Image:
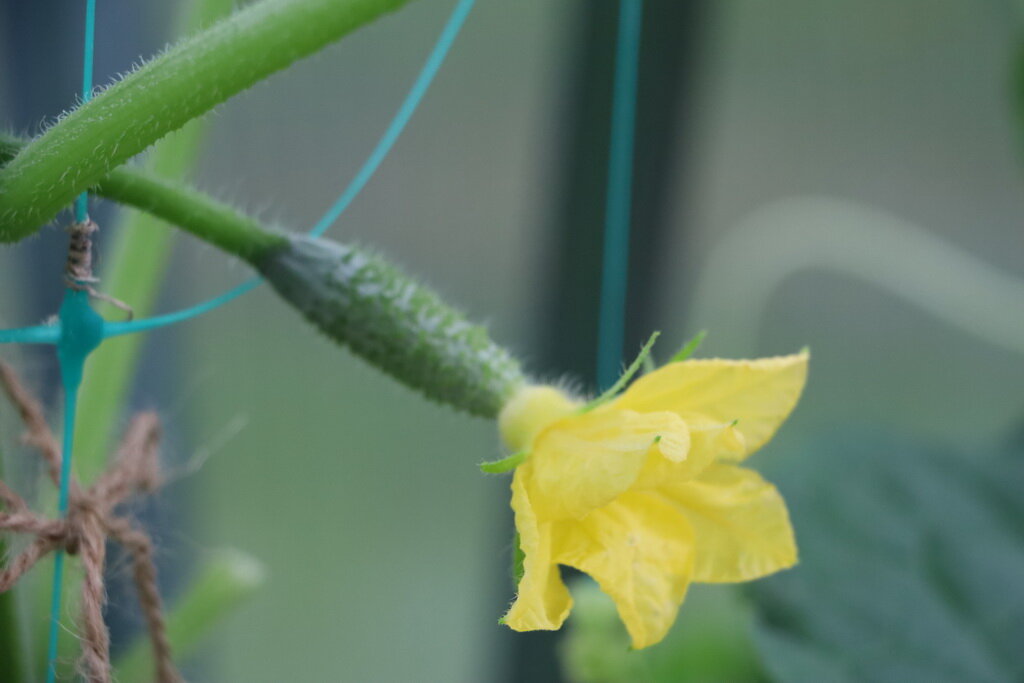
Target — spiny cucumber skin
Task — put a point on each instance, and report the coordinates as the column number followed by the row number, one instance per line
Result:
column 363, row 302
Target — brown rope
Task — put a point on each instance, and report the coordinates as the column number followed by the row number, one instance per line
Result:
column 90, row 521
column 78, row 273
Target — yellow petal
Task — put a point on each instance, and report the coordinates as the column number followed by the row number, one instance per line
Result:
column 543, row 602
column 760, row 394
column 587, row 460
column 640, row 550
column 740, row 524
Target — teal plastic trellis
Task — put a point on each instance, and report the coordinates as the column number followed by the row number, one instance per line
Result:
column 79, row 330
column 618, row 196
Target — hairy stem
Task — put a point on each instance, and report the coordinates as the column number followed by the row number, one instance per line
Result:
column 139, row 257
column 185, row 82
column 208, row 219
column 353, row 295
column 180, row 205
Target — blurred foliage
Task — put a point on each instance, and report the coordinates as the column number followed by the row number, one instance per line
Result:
column 710, row 641
column 11, row 646
column 1017, row 91
column 911, row 566
column 226, row 579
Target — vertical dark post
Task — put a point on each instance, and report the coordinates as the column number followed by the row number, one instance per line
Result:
column 669, row 50
column 670, row 62
column 668, row 55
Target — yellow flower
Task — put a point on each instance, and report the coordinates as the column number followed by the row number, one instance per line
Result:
column 644, row 493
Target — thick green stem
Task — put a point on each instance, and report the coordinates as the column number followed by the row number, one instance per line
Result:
column 185, row 82
column 139, row 258
column 180, row 205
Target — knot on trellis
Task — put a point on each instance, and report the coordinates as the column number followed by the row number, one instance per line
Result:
column 78, row 269
column 78, row 273
column 90, row 521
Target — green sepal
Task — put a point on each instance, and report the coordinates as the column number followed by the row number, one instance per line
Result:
column 518, row 568
column 626, row 376
column 505, row 464
column 689, row 347
column 518, row 560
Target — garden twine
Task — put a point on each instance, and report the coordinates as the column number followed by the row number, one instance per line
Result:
column 78, row 273
column 90, row 521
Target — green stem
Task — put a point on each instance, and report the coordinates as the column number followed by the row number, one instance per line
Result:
column 211, row 221
column 140, row 254
column 185, row 82
column 353, row 295
column 180, row 205
column 227, row 579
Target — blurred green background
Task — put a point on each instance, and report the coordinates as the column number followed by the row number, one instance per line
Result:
column 386, row 550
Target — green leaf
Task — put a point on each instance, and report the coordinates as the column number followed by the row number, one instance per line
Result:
column 911, row 566
column 798, row 660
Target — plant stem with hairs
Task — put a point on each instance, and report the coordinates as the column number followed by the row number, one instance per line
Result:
column 185, row 82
